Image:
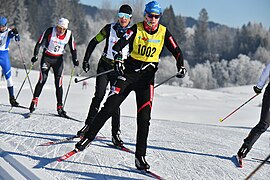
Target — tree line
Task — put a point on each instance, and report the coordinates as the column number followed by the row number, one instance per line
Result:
column 205, row 44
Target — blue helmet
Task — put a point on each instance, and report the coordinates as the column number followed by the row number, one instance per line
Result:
column 3, row 21
column 152, row 7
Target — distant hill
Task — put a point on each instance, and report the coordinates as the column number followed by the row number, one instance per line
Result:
column 93, row 11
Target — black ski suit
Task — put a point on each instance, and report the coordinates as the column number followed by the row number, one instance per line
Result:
column 138, row 76
column 102, row 81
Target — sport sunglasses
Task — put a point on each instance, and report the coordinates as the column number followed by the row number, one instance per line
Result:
column 125, row 15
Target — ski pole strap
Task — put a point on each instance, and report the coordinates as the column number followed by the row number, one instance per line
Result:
column 95, row 75
column 221, row 120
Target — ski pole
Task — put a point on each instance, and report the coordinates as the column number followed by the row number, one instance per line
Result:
column 165, row 81
column 221, row 120
column 79, row 74
column 22, row 86
column 25, row 68
column 95, row 75
column 24, row 80
column 71, row 76
column 255, row 170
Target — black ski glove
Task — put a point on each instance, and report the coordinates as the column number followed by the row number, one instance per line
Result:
column 119, row 65
column 75, row 62
column 34, row 59
column 257, row 90
column 17, row 37
column 181, row 72
column 86, row 66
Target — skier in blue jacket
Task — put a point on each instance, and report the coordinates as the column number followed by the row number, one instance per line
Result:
column 6, row 34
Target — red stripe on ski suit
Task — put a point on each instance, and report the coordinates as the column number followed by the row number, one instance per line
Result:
column 150, row 100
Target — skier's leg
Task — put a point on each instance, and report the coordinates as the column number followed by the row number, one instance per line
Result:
column 115, row 98
column 6, row 69
column 100, row 91
column 43, row 75
column 260, row 128
column 144, row 98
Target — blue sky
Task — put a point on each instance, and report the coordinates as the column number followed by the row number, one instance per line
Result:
column 233, row 13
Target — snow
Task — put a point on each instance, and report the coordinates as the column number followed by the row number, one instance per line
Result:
column 186, row 139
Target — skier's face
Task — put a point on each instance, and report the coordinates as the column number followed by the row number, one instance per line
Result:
column 152, row 19
column 124, row 19
column 2, row 28
column 60, row 30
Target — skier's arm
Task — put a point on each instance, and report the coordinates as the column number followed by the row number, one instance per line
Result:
column 173, row 47
column 264, row 77
column 94, row 41
column 72, row 46
column 43, row 37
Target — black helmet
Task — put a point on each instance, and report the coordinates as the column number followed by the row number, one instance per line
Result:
column 125, row 9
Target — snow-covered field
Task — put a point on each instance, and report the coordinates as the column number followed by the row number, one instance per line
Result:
column 186, row 139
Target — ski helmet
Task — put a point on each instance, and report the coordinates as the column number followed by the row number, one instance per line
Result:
column 152, row 7
column 3, row 21
column 125, row 9
column 63, row 22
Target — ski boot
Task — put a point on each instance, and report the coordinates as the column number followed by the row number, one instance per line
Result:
column 33, row 105
column 82, row 144
column 13, row 101
column 81, row 132
column 117, row 141
column 61, row 111
column 242, row 152
column 141, row 163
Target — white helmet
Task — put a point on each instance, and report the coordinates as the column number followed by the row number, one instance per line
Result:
column 63, row 22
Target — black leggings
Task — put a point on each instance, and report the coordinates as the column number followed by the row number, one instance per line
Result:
column 264, row 122
column 57, row 65
column 100, row 91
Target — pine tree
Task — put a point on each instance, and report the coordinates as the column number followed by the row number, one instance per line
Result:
column 201, row 37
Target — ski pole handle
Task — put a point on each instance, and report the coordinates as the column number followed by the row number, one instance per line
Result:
column 221, row 120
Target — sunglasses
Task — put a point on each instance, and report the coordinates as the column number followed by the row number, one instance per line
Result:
column 153, row 15
column 125, row 15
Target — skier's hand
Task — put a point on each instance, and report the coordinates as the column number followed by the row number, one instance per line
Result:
column 17, row 37
column 181, row 72
column 86, row 66
column 119, row 64
column 34, row 59
column 257, row 90
column 75, row 62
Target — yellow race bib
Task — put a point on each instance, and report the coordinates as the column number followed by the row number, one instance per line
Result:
column 147, row 47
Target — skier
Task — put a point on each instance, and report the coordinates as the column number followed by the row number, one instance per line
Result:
column 5, row 35
column 264, row 122
column 111, row 32
column 146, row 40
column 54, row 40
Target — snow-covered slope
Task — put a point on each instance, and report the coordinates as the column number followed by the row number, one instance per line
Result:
column 186, row 139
